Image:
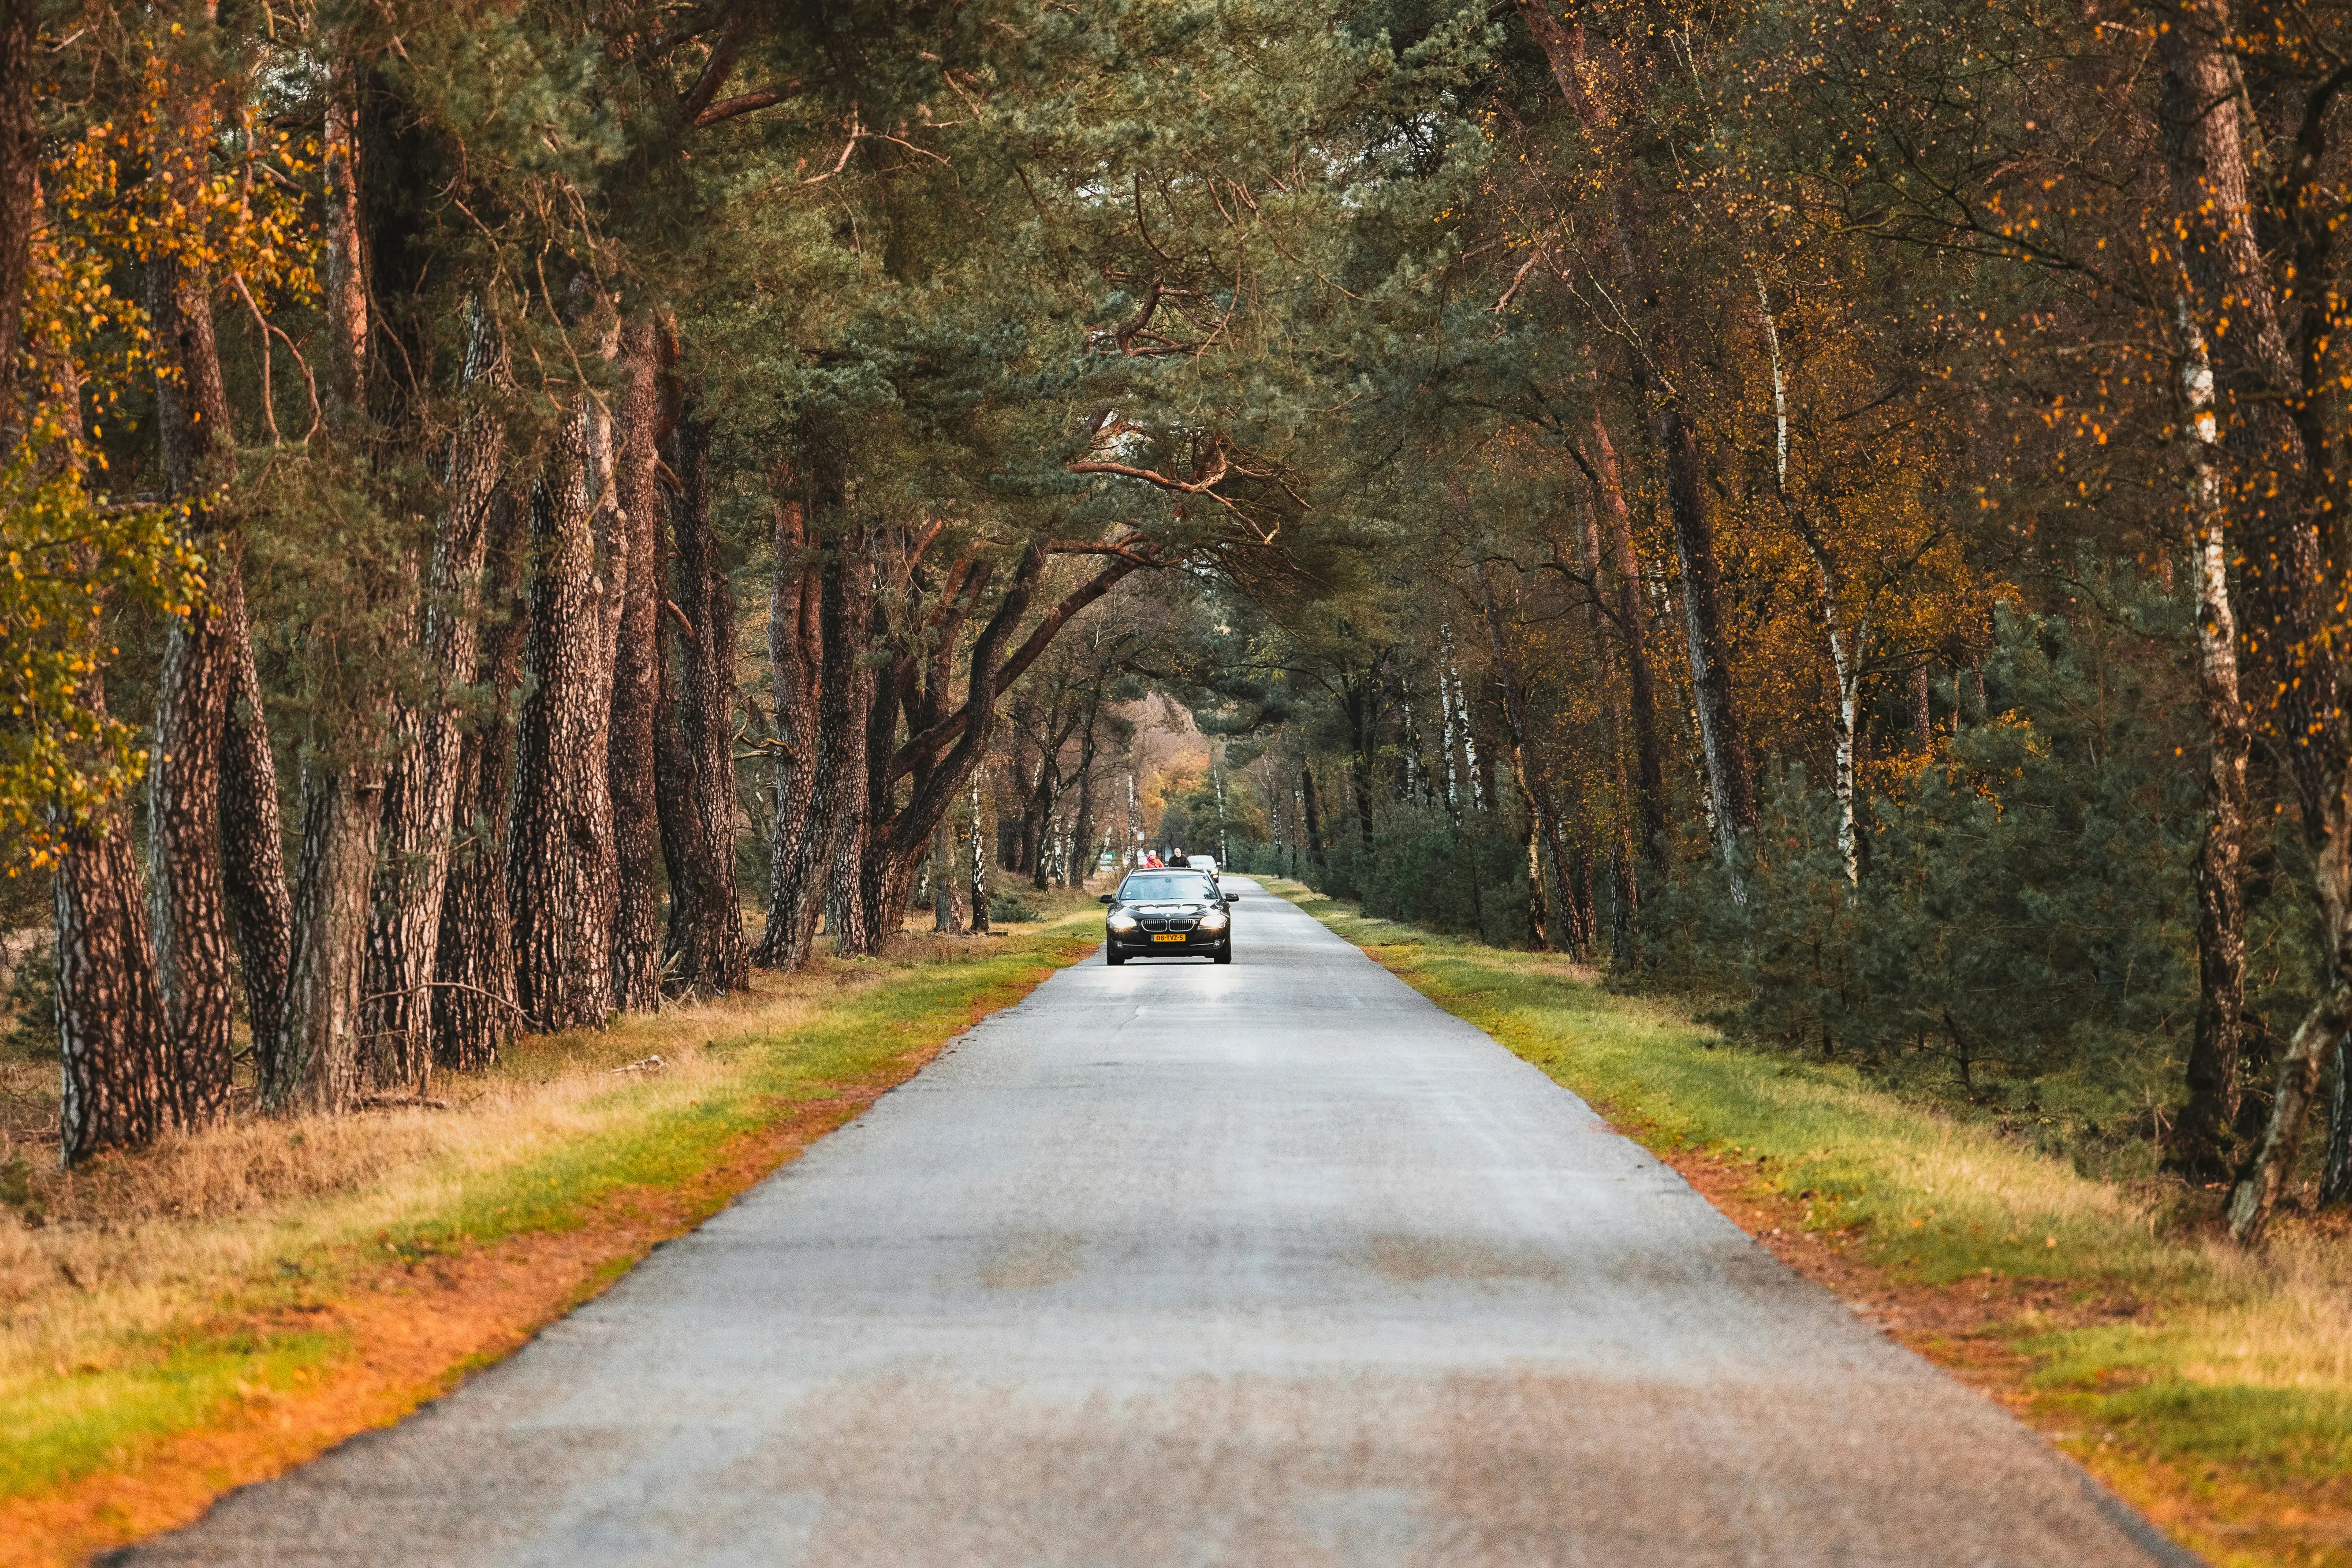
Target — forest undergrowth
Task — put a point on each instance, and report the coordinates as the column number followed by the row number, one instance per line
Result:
column 2211, row 1387
column 211, row 1310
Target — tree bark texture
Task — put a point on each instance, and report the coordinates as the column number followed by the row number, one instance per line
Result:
column 560, row 864
column 475, row 1011
column 317, row 1065
column 844, row 719
column 695, row 742
column 1730, row 782
column 1616, row 525
column 2257, row 386
column 422, row 784
column 201, row 659
column 20, row 167
column 2201, row 1136
column 110, row 1012
column 797, row 665
column 1627, row 817
column 253, row 841
column 1559, row 930
column 642, row 419
column 110, row 1037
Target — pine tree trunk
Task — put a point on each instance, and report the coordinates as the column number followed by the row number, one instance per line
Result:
column 1313, row 812
column 421, row 784
column 318, row 1063
column 560, row 864
column 1625, row 892
column 1559, row 930
column 201, row 658
column 946, row 917
column 252, row 846
column 796, row 672
column 1649, row 756
column 2201, row 1136
column 844, row 719
column 110, row 1012
column 1730, row 786
column 636, row 674
column 695, row 744
column 475, row 1011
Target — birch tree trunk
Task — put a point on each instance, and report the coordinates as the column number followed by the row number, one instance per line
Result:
column 1641, row 692
column 2258, row 383
column 979, row 857
column 2202, row 1133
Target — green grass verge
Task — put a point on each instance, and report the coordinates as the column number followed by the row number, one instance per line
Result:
column 171, row 1362
column 2241, row 1362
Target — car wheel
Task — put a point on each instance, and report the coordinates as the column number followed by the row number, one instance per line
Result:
column 1223, row 954
column 1112, row 955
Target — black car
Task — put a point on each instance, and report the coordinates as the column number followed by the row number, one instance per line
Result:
column 1168, row 914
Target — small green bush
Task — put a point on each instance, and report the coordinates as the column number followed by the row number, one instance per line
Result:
column 1009, row 907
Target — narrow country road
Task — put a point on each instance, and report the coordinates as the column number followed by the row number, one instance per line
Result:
column 1255, row 1266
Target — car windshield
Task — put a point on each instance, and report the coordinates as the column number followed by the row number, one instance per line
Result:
column 1147, row 890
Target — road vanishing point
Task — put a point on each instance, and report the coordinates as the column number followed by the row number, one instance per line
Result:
column 1173, row 1264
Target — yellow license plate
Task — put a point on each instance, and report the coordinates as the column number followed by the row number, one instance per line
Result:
column 1175, row 937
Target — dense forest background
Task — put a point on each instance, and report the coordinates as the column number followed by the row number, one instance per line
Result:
column 515, row 512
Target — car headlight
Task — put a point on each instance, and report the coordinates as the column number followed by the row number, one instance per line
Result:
column 1122, row 921
column 1214, row 920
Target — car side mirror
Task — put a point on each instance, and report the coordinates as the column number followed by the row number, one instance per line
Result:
column 1110, row 897
column 1232, row 898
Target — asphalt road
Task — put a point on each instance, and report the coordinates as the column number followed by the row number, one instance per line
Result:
column 1263, row 1264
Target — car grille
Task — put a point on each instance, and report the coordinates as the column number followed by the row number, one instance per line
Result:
column 1167, row 923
